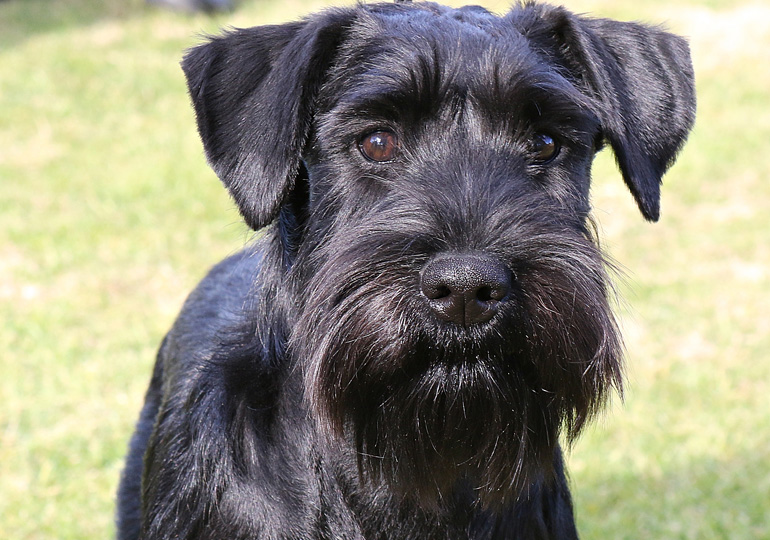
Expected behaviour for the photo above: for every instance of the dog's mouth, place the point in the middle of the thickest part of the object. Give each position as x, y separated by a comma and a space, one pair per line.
464, 369
521, 332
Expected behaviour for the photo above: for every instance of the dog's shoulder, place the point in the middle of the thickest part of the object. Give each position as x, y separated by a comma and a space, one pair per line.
216, 323
222, 298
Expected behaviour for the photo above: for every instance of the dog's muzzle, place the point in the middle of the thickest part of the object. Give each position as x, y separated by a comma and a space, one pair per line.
465, 289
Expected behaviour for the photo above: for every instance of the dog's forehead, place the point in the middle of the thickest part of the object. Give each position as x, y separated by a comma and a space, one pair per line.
466, 49
427, 17
409, 61
470, 29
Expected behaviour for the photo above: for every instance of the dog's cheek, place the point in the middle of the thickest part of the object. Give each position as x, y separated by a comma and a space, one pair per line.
568, 182
346, 189
364, 322
572, 337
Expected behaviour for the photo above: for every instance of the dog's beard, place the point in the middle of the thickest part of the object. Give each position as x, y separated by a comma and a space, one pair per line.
427, 405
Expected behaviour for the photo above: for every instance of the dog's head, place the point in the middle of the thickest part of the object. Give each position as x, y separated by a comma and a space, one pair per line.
428, 170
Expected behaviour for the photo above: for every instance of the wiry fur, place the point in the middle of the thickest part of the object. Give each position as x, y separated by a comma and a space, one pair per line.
307, 389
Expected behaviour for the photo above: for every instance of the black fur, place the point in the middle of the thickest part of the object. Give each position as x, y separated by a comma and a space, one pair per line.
308, 389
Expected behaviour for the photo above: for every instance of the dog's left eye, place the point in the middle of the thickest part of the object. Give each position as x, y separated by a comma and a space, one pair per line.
380, 146
544, 148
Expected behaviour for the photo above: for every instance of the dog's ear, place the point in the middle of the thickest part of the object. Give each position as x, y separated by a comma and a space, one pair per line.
253, 91
641, 79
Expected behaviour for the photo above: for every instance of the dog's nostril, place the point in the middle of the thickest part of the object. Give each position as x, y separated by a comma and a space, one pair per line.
441, 292
484, 294
465, 289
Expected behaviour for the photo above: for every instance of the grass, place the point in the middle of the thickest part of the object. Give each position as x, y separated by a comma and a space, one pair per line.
109, 216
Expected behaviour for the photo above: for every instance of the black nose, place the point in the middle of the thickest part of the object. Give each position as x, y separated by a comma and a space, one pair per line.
465, 289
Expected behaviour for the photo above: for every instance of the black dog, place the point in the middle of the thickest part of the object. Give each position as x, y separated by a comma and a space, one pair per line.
427, 311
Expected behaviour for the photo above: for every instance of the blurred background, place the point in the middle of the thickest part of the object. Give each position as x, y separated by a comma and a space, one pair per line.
109, 216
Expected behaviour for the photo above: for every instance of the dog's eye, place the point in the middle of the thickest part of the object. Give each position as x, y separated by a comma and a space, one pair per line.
544, 148
380, 146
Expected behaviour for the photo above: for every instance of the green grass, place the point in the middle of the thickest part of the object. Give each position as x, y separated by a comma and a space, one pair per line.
109, 216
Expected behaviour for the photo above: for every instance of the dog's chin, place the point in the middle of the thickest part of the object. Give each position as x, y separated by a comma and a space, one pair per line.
424, 414
472, 421
422, 419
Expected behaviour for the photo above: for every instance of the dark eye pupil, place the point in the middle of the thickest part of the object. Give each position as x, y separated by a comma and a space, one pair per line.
544, 148
379, 146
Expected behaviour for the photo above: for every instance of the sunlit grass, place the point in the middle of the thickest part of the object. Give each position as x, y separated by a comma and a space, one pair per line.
109, 215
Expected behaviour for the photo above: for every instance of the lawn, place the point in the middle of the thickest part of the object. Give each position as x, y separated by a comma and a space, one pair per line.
109, 216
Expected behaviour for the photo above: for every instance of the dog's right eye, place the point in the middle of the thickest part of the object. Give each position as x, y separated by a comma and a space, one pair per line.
380, 146
544, 148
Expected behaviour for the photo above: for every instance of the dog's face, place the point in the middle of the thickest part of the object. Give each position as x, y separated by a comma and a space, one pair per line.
429, 171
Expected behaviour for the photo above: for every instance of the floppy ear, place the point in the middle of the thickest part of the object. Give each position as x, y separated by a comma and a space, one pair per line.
642, 81
253, 92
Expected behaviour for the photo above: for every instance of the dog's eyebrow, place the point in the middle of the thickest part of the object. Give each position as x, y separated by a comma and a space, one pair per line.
545, 102
390, 102
419, 81
407, 87
535, 92
558, 98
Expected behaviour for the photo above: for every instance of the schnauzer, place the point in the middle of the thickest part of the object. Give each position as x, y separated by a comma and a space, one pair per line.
426, 314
